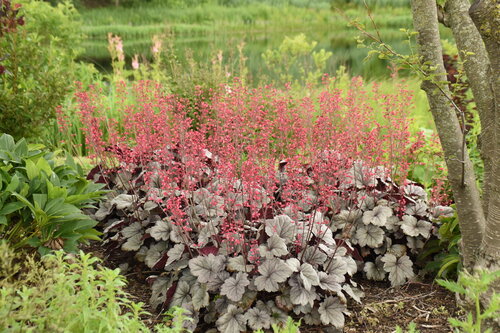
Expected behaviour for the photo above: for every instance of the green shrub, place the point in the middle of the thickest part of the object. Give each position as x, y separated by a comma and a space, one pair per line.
40, 201
38, 58
475, 287
67, 293
295, 61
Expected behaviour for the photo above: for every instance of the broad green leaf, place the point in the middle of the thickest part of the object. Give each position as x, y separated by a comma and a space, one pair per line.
3, 220
43, 165
25, 201
7, 142
21, 148
35, 146
24, 190
31, 170
40, 200
34, 242
14, 183
11, 207
56, 191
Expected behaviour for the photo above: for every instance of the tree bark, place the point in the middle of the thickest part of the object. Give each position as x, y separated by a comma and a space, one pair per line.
477, 68
466, 194
486, 17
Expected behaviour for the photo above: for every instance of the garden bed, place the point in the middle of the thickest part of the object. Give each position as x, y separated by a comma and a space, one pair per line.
383, 307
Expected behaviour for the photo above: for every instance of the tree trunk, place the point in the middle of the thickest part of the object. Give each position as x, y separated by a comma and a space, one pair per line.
460, 170
486, 17
477, 68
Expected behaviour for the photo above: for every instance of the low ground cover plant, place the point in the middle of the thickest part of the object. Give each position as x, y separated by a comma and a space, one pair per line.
66, 293
259, 206
41, 201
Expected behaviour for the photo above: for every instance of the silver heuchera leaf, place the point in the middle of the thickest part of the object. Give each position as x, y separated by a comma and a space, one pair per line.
150, 205
399, 269
324, 233
301, 295
258, 319
103, 211
314, 256
415, 191
273, 272
419, 208
155, 253
365, 201
216, 283
178, 265
200, 296
132, 230
398, 250
375, 271
175, 253
237, 264
133, 243
444, 211
124, 201
293, 263
276, 247
182, 295
207, 268
355, 293
176, 234
161, 230
370, 235
328, 282
338, 268
277, 316
308, 275
282, 226
331, 312
159, 290
207, 232
141, 254
345, 216
413, 227
313, 317
232, 321
415, 244
234, 287
378, 216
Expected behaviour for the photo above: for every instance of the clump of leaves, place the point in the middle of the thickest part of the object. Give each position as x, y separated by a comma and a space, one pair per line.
446, 262
256, 273
41, 202
67, 292
473, 287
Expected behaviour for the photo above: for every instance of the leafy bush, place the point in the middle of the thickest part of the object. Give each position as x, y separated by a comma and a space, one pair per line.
295, 61
474, 287
41, 202
265, 209
446, 261
38, 64
66, 293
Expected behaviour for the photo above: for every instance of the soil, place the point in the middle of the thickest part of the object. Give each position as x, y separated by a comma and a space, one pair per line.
383, 307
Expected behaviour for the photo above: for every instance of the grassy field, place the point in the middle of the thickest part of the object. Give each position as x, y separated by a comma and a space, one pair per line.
208, 28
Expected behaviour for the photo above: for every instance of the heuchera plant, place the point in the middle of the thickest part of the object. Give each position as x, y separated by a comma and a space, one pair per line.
260, 205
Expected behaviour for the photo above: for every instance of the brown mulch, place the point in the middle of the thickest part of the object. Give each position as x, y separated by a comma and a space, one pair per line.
425, 303
382, 309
